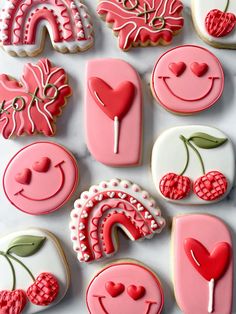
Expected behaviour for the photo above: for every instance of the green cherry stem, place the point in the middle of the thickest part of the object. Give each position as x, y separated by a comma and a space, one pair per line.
22, 264
227, 6
187, 154
12, 270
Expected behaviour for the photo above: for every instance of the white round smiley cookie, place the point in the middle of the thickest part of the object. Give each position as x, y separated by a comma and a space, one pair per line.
193, 164
187, 80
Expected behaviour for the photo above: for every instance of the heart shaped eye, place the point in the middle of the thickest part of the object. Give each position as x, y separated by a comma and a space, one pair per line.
136, 292
177, 68
24, 177
114, 289
42, 165
199, 69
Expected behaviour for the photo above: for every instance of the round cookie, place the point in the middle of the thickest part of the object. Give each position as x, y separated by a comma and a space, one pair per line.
125, 287
187, 79
40, 178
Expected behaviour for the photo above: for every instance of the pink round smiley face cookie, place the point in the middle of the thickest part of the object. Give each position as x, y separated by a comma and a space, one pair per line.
40, 178
187, 79
125, 287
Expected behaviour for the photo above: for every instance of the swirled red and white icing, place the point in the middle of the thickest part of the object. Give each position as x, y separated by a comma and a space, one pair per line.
143, 21
31, 105
105, 207
23, 23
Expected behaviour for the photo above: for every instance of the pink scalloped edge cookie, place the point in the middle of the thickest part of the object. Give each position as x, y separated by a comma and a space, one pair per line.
107, 206
23, 25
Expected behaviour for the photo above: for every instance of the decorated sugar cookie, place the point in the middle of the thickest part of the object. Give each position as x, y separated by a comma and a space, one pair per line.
113, 112
34, 272
99, 212
24, 25
215, 22
31, 105
193, 165
142, 23
187, 79
40, 178
203, 264
125, 287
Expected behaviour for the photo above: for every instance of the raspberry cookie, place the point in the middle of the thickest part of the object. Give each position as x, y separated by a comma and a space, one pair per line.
193, 165
203, 264
34, 272
106, 207
215, 22
40, 178
125, 287
187, 79
24, 25
142, 23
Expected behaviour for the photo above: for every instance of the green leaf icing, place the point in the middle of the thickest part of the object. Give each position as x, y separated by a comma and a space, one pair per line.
26, 245
203, 140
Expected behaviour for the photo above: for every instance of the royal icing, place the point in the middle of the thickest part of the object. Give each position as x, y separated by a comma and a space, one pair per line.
31, 105
203, 264
104, 208
187, 79
140, 22
215, 22
31, 283
196, 174
40, 178
24, 22
113, 112
125, 287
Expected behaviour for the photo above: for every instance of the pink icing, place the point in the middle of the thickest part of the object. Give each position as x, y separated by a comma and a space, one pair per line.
191, 88
48, 186
128, 278
191, 289
100, 127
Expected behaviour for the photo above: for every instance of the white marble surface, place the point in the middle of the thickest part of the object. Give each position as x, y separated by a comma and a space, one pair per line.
155, 252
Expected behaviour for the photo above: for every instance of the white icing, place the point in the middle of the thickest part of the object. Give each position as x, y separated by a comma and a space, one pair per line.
169, 156
211, 296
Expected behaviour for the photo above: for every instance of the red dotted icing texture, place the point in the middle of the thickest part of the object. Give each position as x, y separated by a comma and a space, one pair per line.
12, 302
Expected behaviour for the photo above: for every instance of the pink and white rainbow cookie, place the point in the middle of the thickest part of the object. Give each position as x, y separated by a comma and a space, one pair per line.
142, 22
187, 79
203, 264
32, 104
24, 23
113, 112
125, 287
104, 208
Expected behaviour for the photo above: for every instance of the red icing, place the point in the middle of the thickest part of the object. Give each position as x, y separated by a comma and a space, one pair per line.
211, 265
136, 292
199, 69
220, 24
35, 110
44, 290
114, 289
24, 177
136, 25
12, 301
108, 229
42, 165
113, 102
211, 186
177, 68
175, 186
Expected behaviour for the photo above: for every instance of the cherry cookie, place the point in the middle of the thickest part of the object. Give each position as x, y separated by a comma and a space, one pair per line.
110, 205
193, 165
31, 105
125, 287
24, 25
142, 22
113, 112
187, 79
215, 22
203, 264
40, 178
34, 272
